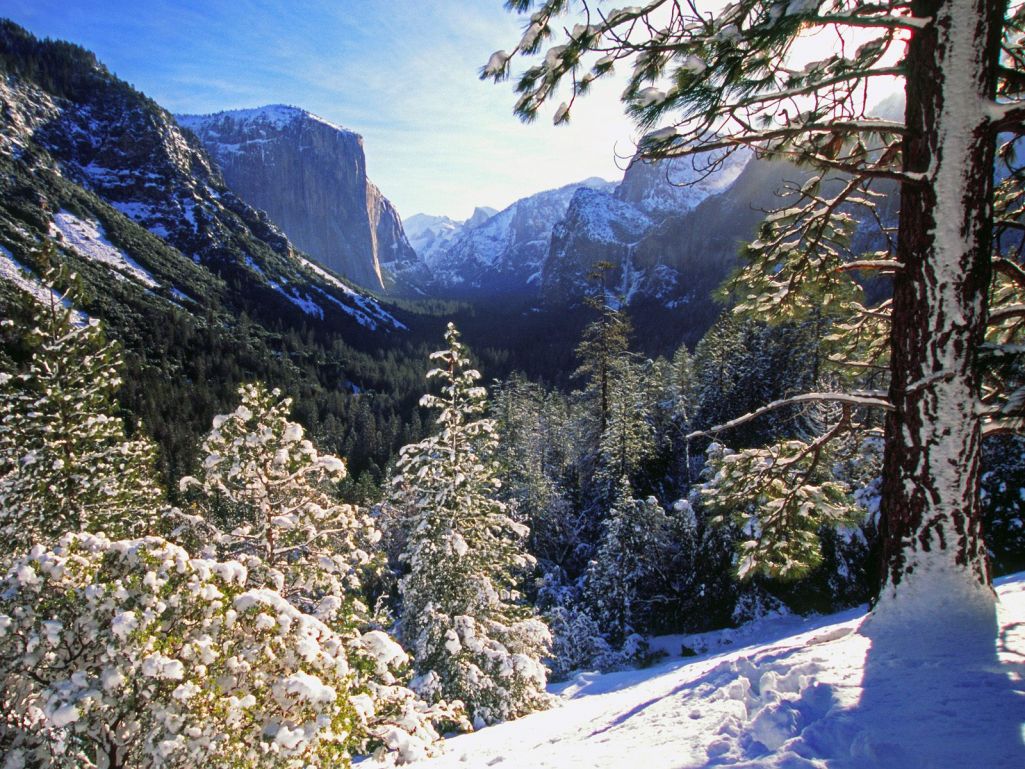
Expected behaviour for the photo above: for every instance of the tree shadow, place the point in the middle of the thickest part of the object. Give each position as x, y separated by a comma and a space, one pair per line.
942, 692
938, 695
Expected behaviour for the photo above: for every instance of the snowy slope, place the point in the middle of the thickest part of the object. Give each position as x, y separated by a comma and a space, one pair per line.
788, 692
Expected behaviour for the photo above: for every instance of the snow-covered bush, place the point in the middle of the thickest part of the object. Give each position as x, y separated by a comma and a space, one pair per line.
264, 490
472, 634
65, 461
133, 654
395, 723
577, 643
266, 496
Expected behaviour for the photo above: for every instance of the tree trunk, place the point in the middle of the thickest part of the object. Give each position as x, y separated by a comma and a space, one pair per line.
930, 504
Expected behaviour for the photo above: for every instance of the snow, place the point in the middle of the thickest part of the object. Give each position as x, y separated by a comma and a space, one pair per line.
87, 239
512, 242
13, 271
302, 301
823, 692
367, 313
276, 116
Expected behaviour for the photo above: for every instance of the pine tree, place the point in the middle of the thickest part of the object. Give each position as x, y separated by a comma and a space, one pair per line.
631, 554
604, 341
472, 635
267, 497
264, 490
706, 84
628, 438
65, 461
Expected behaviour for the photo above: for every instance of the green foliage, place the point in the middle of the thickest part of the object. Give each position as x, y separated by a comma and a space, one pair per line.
473, 636
779, 497
66, 463
623, 579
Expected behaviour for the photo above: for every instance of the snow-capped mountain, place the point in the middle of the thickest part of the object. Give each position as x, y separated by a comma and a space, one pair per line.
124, 161
674, 186
597, 227
310, 176
637, 229
544, 246
504, 253
430, 235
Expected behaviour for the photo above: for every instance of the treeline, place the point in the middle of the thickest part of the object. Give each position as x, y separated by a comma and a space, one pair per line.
635, 520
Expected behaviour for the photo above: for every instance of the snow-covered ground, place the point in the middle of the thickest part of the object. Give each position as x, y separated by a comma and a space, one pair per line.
88, 239
791, 693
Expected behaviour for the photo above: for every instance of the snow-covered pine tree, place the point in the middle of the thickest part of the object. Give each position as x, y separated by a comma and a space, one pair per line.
712, 80
628, 438
264, 490
473, 636
266, 496
66, 463
629, 563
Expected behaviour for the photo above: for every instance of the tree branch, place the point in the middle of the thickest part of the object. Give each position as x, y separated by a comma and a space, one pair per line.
868, 399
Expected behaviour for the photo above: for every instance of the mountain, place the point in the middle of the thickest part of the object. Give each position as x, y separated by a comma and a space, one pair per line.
202, 290
675, 185
598, 227
310, 176
429, 235
504, 253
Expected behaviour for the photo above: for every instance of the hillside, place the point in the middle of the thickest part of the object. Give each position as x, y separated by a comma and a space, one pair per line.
202, 290
787, 691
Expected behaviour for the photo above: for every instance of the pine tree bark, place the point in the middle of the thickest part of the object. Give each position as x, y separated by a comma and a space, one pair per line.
930, 503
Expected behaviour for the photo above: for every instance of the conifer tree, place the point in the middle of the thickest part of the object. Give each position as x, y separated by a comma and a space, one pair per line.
266, 491
268, 497
604, 341
65, 461
628, 437
707, 81
630, 554
472, 635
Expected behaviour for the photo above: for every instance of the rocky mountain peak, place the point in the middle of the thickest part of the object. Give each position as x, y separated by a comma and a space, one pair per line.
310, 176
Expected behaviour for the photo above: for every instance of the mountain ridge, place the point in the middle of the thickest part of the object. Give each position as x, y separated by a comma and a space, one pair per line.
310, 176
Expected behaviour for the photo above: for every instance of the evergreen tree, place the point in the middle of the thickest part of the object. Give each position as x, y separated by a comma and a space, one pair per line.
472, 635
266, 491
604, 341
626, 573
710, 83
269, 499
628, 438
65, 461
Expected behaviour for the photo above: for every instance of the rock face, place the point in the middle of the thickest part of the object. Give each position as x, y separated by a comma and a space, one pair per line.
674, 186
502, 254
597, 227
310, 177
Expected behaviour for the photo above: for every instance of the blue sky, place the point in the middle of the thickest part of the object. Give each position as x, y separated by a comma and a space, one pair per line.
403, 73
